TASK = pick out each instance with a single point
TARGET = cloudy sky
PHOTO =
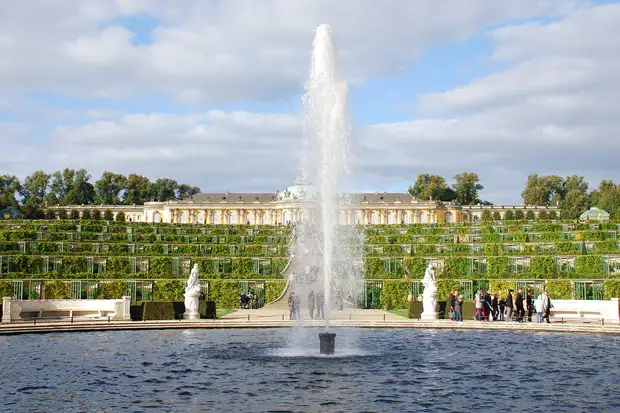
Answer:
(208, 92)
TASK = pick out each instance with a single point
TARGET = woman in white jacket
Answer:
(538, 304)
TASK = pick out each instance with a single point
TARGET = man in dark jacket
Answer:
(509, 305)
(487, 305)
(519, 305)
(529, 306)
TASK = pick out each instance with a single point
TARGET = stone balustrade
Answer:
(17, 310)
(608, 310)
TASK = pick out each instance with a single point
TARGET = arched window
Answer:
(156, 217)
(374, 219)
(249, 217)
(423, 218)
(358, 218)
(288, 217)
(265, 219)
(407, 218)
(449, 217)
(233, 218)
(200, 217)
(217, 218)
(390, 218)
(183, 217)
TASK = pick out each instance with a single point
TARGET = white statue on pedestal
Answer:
(429, 297)
(192, 295)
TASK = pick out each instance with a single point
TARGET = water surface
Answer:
(253, 370)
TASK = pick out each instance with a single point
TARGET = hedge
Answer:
(273, 289)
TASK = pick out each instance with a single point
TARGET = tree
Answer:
(120, 217)
(543, 214)
(86, 214)
(466, 188)
(434, 187)
(530, 215)
(537, 191)
(9, 188)
(165, 189)
(486, 216)
(71, 187)
(62, 214)
(509, 215)
(109, 187)
(519, 215)
(575, 200)
(74, 214)
(108, 215)
(96, 215)
(34, 192)
(138, 190)
(185, 191)
(607, 197)
(497, 216)
(553, 215)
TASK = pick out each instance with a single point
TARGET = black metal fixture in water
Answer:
(328, 343)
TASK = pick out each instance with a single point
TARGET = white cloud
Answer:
(552, 110)
(222, 51)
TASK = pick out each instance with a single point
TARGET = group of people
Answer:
(248, 301)
(315, 302)
(514, 307)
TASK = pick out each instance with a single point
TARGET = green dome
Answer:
(594, 214)
(301, 190)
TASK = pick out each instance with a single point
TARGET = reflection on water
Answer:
(257, 370)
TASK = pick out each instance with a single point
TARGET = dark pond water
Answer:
(254, 370)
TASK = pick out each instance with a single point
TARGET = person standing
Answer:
(518, 303)
(458, 308)
(509, 305)
(296, 307)
(487, 305)
(478, 304)
(495, 307)
(311, 303)
(547, 306)
(502, 307)
(291, 305)
(320, 302)
(539, 308)
(529, 306)
(451, 302)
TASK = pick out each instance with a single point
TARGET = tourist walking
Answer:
(311, 303)
(495, 307)
(458, 309)
(478, 304)
(509, 305)
(547, 306)
(297, 307)
(291, 306)
(529, 306)
(502, 307)
(539, 308)
(451, 303)
(520, 309)
(486, 305)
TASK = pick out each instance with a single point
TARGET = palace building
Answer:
(295, 203)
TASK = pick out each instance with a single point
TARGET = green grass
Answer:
(221, 312)
(402, 313)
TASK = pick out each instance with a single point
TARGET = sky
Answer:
(208, 92)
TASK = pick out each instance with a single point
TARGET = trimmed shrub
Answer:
(519, 215)
(560, 289)
(486, 216)
(96, 215)
(56, 290)
(74, 214)
(120, 217)
(108, 215)
(161, 310)
(273, 290)
(86, 215)
(394, 294)
(543, 214)
(225, 293)
(612, 289)
(509, 215)
(497, 216)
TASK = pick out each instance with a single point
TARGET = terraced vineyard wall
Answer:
(92, 259)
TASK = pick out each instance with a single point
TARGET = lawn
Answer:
(402, 313)
(222, 312)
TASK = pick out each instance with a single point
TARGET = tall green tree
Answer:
(434, 187)
(109, 188)
(34, 192)
(575, 197)
(537, 191)
(138, 190)
(81, 192)
(467, 187)
(10, 187)
(165, 189)
(185, 191)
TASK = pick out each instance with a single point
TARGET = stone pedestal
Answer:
(327, 343)
(191, 306)
(430, 307)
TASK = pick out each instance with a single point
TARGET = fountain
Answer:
(336, 258)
